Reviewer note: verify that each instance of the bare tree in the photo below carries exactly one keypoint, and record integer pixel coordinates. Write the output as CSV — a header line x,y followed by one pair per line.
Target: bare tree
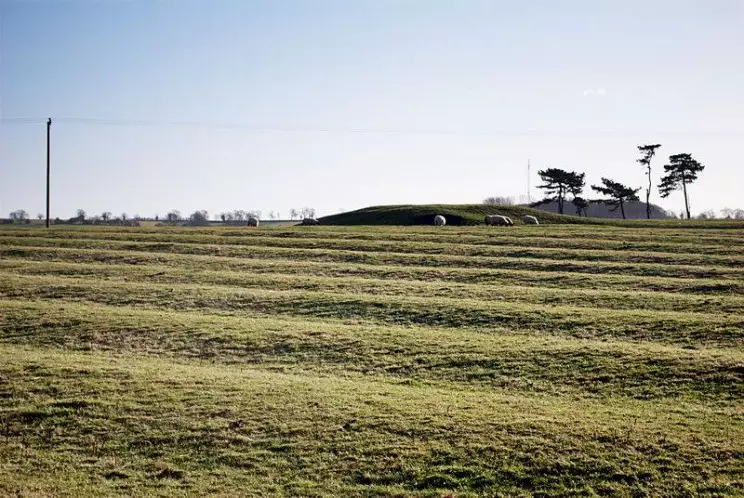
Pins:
x,y
199,218
173,217
106,216
707,215
124,217
19,215
499,201
308,212
293,213
40,216
80,215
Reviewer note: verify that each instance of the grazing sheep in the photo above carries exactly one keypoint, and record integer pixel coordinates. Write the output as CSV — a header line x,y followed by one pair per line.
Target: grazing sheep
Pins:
x,y
440,220
309,221
530,220
497,219
253,221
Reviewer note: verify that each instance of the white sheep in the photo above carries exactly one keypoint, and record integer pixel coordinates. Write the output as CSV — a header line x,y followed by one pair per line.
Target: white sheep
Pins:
x,y
530,220
440,220
496,219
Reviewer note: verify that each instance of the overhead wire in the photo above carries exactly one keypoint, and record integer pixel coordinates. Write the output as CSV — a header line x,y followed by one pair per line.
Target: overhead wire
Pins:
x,y
273,128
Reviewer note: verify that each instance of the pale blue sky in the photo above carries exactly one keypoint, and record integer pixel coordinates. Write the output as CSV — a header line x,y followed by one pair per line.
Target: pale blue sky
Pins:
x,y
420,100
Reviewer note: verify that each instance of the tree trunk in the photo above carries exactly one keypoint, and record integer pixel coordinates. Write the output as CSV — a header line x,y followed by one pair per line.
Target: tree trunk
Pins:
x,y
687,202
648,194
622,208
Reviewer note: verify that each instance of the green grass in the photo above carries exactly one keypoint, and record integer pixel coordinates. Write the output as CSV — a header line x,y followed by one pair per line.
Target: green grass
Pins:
x,y
558,360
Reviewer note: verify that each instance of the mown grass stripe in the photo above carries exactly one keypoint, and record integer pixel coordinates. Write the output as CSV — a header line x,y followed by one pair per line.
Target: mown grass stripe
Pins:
x,y
398,248
663,326
410,259
508,276
487,293
506,360
203,428
360,239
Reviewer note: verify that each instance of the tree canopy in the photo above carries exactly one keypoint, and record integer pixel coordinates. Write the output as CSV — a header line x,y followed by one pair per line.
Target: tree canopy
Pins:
x,y
618,194
557,183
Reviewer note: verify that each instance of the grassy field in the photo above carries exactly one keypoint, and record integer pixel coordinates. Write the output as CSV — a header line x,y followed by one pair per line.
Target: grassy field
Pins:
x,y
551,360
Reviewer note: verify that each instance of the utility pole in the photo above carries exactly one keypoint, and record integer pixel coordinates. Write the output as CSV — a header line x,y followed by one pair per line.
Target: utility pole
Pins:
x,y
49,129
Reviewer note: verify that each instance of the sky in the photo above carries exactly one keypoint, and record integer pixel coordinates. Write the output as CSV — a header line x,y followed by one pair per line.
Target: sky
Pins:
x,y
342,104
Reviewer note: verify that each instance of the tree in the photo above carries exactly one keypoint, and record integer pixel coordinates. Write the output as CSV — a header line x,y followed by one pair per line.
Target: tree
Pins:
x,y
293,213
499,201
618,194
580,204
648,152
681,171
19,215
40,216
80,215
558,183
106,216
707,215
308,212
124,217
240,215
173,216
199,218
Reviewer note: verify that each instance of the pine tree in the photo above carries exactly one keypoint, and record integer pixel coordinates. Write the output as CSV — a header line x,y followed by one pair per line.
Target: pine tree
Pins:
x,y
681,171
648,152
558,183
618,194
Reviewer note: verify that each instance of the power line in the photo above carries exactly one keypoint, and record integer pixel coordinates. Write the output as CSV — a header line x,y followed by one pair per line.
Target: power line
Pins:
x,y
272,128
22,120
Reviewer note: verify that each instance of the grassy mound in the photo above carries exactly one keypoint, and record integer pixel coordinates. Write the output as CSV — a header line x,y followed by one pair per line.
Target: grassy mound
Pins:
x,y
423,214
473,214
